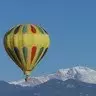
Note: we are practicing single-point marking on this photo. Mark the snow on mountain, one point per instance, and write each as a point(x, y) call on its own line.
point(83, 74)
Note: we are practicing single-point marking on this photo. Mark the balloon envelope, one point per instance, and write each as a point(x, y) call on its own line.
point(26, 44)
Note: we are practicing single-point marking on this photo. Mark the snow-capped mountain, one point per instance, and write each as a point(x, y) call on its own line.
point(79, 73)
point(76, 81)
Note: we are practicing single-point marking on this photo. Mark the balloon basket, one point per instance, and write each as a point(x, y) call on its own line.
point(27, 78)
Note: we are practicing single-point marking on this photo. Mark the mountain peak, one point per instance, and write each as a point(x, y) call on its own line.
point(82, 68)
point(75, 70)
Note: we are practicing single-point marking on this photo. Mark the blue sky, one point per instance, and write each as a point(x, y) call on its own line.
point(71, 25)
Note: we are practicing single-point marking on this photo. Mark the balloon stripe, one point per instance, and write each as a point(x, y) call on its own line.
point(44, 30)
point(11, 53)
point(33, 53)
point(39, 54)
point(24, 30)
point(43, 54)
point(33, 29)
point(25, 52)
point(9, 32)
point(16, 30)
point(13, 57)
point(40, 30)
point(17, 53)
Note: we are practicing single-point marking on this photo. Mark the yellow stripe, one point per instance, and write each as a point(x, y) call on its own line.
point(28, 58)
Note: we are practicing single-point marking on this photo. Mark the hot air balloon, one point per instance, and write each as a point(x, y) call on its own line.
point(26, 44)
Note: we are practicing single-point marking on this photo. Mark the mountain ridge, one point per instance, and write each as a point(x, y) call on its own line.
point(80, 73)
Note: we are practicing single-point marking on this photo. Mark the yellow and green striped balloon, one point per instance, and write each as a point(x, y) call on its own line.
point(26, 44)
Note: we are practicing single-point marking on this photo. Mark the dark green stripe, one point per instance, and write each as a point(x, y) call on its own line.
point(25, 51)
point(10, 52)
point(17, 53)
point(43, 54)
point(24, 30)
point(40, 29)
point(44, 30)
point(16, 30)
